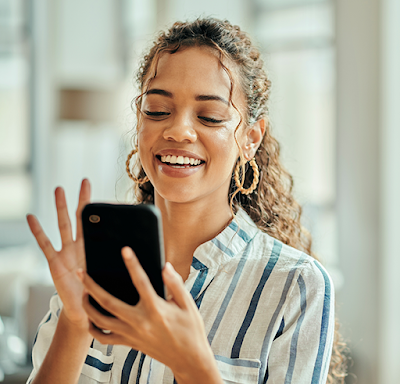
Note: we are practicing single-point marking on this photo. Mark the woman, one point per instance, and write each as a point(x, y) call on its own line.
point(244, 305)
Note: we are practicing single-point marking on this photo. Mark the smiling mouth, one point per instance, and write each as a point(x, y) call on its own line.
point(180, 161)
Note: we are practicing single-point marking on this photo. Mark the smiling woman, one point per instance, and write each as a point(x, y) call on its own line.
point(186, 114)
point(247, 303)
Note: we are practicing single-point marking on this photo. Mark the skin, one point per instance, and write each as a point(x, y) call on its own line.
point(194, 208)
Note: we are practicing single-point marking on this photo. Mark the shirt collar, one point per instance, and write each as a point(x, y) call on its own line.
point(227, 244)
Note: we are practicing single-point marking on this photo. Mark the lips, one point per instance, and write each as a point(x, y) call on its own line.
point(177, 170)
point(178, 163)
point(179, 152)
point(180, 160)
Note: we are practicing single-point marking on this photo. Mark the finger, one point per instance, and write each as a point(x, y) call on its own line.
point(139, 277)
point(84, 198)
point(41, 238)
point(101, 321)
point(64, 223)
point(108, 338)
point(109, 302)
point(175, 286)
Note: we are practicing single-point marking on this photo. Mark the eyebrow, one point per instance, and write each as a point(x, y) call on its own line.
point(211, 97)
point(162, 92)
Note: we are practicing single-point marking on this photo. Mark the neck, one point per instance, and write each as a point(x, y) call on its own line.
point(187, 225)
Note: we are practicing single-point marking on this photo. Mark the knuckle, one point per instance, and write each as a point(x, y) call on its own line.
point(37, 230)
point(157, 313)
point(144, 281)
point(146, 328)
point(163, 321)
point(177, 283)
point(37, 234)
point(101, 323)
point(63, 226)
point(108, 303)
point(45, 244)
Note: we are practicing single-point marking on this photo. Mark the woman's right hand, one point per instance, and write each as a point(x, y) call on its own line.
point(64, 263)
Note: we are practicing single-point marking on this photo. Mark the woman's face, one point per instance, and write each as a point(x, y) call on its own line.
point(187, 137)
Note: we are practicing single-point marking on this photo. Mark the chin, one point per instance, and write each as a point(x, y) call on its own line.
point(177, 195)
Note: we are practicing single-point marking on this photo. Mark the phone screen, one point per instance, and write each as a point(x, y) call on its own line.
point(107, 228)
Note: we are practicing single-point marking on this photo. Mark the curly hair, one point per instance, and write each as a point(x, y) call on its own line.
point(271, 206)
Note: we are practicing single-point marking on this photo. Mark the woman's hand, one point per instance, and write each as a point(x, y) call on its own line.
point(170, 331)
point(64, 263)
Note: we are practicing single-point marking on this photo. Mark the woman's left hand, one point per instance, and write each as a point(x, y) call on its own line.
point(170, 331)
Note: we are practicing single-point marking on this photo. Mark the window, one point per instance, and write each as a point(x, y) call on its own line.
point(297, 40)
point(15, 175)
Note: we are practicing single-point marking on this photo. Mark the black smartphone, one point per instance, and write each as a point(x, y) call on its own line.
point(107, 228)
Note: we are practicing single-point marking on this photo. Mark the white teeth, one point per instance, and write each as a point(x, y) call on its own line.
point(180, 160)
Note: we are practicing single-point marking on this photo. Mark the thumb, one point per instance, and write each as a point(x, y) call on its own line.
point(175, 286)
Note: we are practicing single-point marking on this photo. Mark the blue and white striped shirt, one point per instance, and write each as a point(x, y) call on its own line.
point(268, 311)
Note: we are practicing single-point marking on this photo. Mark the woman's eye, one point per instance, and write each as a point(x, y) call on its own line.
point(156, 114)
point(210, 120)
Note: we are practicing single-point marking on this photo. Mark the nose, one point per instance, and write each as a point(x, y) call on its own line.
point(180, 130)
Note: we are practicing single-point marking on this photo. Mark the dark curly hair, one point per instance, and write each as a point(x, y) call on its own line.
point(272, 205)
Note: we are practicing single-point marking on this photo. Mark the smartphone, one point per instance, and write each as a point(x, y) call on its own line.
point(107, 228)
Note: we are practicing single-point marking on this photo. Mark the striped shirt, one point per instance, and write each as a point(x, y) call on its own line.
point(268, 311)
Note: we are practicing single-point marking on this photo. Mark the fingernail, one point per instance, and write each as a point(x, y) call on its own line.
point(169, 268)
point(127, 253)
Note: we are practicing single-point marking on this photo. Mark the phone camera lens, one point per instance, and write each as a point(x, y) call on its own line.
point(94, 219)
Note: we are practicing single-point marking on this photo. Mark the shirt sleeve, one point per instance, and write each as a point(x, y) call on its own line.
point(98, 363)
point(44, 335)
point(302, 348)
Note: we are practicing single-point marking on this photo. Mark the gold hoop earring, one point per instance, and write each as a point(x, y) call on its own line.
point(137, 181)
point(256, 177)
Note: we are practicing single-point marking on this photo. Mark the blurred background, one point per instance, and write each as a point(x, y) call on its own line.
point(66, 83)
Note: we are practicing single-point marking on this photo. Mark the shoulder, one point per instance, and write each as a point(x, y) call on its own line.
point(280, 262)
point(284, 260)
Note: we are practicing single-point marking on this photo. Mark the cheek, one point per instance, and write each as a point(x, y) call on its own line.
point(143, 133)
point(146, 143)
point(225, 148)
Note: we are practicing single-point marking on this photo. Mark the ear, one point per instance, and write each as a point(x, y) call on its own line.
point(254, 136)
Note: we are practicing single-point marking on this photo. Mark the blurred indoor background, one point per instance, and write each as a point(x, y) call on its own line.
point(66, 83)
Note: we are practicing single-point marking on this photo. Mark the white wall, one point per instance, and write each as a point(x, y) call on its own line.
point(236, 11)
point(368, 176)
point(390, 202)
